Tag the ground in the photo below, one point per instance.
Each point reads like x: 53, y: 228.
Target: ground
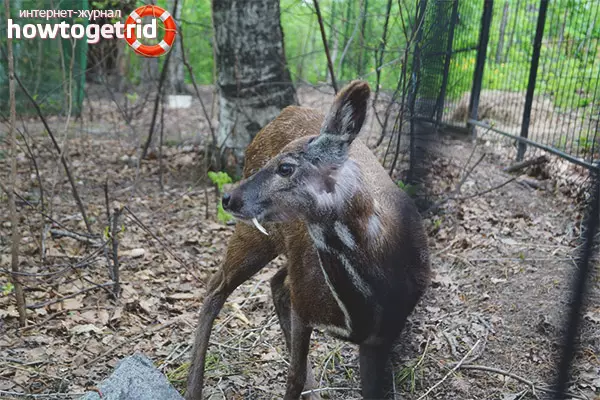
x: 503, y: 262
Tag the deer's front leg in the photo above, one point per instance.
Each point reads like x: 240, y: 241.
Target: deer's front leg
x: 300, y: 335
x: 373, y: 362
x: 247, y: 252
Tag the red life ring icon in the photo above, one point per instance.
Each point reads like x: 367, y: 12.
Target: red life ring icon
x: 165, y: 44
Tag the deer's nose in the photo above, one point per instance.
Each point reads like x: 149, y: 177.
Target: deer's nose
x: 226, y: 199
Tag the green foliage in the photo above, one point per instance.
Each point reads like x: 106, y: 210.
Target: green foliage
x: 132, y: 97
x: 568, y: 74
x: 7, y: 288
x: 410, y: 190
x: 221, y: 179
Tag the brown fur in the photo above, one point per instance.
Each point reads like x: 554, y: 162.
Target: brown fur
x: 394, y: 263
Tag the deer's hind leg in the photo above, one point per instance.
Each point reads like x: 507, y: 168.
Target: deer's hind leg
x: 281, y: 298
x: 248, y: 251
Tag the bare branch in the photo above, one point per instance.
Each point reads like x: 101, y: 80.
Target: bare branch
x: 324, y: 37
x: 158, y: 99
x: 450, y: 372
x: 14, y: 219
x: 516, y: 377
x: 63, y: 160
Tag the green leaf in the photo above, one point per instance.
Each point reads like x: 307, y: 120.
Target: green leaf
x: 7, y: 288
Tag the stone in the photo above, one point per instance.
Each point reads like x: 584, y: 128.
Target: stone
x: 135, y: 378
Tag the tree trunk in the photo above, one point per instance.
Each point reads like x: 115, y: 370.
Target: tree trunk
x: 176, y: 77
x: 253, y: 80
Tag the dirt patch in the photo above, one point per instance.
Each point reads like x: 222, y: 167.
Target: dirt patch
x: 503, y: 262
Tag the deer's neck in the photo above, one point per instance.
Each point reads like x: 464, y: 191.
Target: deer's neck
x: 350, y: 231
x: 346, y: 244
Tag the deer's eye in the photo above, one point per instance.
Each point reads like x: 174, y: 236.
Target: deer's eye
x: 285, y: 169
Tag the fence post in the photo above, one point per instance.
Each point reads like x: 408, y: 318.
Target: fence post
x: 580, y: 283
x: 484, y: 38
x: 535, y: 59
x: 442, y: 98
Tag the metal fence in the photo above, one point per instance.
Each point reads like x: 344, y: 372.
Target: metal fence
x: 530, y: 70
x: 536, y: 71
x: 52, y: 71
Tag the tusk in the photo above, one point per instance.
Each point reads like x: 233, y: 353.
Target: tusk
x: 259, y: 226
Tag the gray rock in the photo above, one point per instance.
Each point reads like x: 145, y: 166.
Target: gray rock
x: 135, y: 378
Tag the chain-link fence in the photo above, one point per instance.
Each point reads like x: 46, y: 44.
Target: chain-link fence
x: 52, y: 70
x: 540, y: 74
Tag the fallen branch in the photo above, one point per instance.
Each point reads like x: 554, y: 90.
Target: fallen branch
x: 457, y: 366
x: 43, y: 395
x: 50, y: 302
x: 516, y: 377
x: 58, y: 233
x: 339, y: 389
x: 48, y: 318
x: 526, y: 163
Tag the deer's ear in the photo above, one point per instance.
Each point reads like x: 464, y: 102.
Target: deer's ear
x: 343, y: 122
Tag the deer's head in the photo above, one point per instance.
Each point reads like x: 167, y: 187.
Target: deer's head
x: 311, y: 177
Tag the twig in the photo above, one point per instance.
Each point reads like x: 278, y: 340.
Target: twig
x: 461, y: 198
x: 207, y: 150
x: 167, y: 248
x: 48, y: 318
x: 451, y: 343
x: 130, y: 339
x: 160, y: 149
x: 35, y: 165
x: 42, y: 395
x: 481, y: 193
x: 340, y: 389
x: 114, y: 237
x: 12, y: 204
x: 80, y: 264
x: 325, y: 46
x: 468, y: 173
x: 450, y: 372
x: 193, y: 78
x: 526, y: 163
x: 61, y: 154
x: 47, y: 303
x: 171, y: 359
x: 159, y: 95
x: 58, y: 233
x: 526, y: 381
x: 349, y: 42
x: 24, y: 200
x: 380, y: 52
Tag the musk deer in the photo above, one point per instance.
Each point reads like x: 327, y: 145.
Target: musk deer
x: 357, y: 256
